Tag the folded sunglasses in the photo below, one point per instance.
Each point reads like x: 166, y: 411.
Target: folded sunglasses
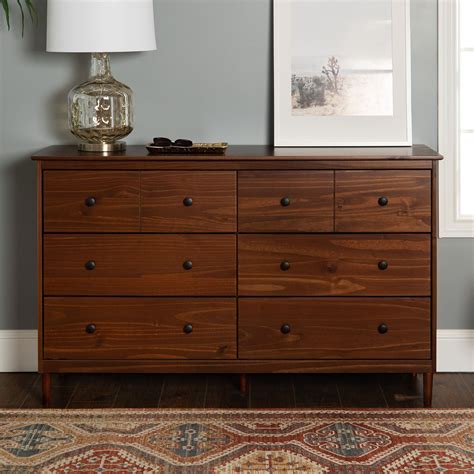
x: 166, y: 142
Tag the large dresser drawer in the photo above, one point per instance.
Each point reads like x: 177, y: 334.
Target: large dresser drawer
x: 140, y: 265
x: 383, y: 201
x: 334, y: 328
x: 286, y: 201
x: 91, y: 201
x: 139, y: 328
x: 336, y: 264
x: 188, y: 201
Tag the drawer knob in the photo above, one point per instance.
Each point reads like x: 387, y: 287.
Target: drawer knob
x: 188, y: 202
x: 285, y: 202
x: 90, y: 265
x: 188, y: 328
x: 285, y: 266
x: 90, y: 329
x: 383, y: 201
x: 188, y: 265
x: 383, y: 328
x: 90, y: 201
x: 285, y: 329
x: 383, y: 265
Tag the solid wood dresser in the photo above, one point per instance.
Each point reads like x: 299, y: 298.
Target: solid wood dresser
x: 262, y: 260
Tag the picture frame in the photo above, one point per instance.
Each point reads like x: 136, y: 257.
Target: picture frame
x: 342, y: 73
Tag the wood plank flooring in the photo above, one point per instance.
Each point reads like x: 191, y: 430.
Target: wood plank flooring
x: 23, y: 390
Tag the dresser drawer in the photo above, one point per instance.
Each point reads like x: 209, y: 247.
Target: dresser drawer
x: 91, y: 201
x: 188, y: 201
x: 140, y: 265
x: 284, y: 201
x: 139, y: 328
x: 331, y: 265
x: 383, y: 201
x: 334, y: 328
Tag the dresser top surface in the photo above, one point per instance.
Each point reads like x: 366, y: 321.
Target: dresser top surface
x: 247, y: 153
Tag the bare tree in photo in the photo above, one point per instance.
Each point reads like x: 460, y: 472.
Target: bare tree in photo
x: 331, y: 71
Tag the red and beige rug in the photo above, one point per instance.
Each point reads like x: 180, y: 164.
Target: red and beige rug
x: 237, y: 441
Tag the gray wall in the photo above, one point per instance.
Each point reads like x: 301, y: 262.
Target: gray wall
x: 211, y: 80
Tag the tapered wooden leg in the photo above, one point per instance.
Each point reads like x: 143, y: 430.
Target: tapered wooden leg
x: 46, y: 379
x: 243, y: 384
x: 427, y: 389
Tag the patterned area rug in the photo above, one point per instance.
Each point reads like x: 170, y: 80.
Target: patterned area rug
x: 231, y: 441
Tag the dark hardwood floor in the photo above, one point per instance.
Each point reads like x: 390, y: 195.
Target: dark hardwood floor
x: 23, y: 390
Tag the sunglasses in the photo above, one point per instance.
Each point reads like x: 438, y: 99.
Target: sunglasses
x: 166, y: 142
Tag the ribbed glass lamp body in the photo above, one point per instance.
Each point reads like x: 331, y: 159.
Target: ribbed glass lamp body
x: 101, y: 109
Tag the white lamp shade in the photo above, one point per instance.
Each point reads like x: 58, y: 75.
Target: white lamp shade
x: 100, y: 26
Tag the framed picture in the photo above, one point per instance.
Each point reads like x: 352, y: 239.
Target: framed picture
x: 342, y: 73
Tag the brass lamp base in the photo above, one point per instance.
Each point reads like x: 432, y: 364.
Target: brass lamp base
x: 102, y: 147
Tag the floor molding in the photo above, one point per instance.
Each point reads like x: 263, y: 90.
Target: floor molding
x: 18, y: 350
x: 455, y: 350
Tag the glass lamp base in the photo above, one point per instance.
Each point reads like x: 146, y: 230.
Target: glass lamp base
x: 102, y: 147
x: 101, y: 109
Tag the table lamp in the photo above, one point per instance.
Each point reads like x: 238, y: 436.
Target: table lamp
x: 100, y: 109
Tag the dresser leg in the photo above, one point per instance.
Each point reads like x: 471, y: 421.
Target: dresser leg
x: 243, y: 384
x: 46, y: 382
x: 427, y: 389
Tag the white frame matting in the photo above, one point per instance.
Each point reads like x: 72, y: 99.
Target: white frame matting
x: 292, y: 130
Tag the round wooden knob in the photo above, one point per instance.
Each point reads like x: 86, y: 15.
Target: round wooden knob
x: 188, y: 201
x: 285, y: 266
x: 383, y: 328
x: 285, y: 329
x: 90, y: 201
x: 90, y: 328
x: 383, y: 201
x: 188, y: 328
x: 383, y: 265
x: 285, y: 202
x: 90, y: 265
x: 188, y: 265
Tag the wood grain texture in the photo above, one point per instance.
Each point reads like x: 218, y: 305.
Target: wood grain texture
x: 226, y: 164
x: 321, y: 329
x: 334, y: 265
x: 139, y: 265
x: 213, y: 195
x: 39, y: 261
x: 249, y: 152
x: 311, y: 201
x: 144, y: 267
x: 140, y: 328
x: 117, y: 196
x: 224, y: 366
x: 434, y: 262
x: 408, y: 208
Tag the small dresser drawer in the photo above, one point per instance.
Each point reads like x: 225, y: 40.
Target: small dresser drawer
x: 336, y: 264
x: 140, y: 265
x: 188, y: 201
x: 91, y: 201
x: 139, y: 328
x: 334, y: 328
x: 383, y: 201
x: 284, y: 201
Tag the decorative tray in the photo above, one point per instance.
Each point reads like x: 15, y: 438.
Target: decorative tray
x: 196, y: 149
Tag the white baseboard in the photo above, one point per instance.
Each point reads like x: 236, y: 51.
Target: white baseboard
x: 18, y: 351
x: 455, y: 350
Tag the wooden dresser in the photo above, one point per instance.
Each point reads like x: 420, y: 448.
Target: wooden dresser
x: 263, y: 260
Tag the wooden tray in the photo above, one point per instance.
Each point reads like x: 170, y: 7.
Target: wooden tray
x: 196, y: 149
